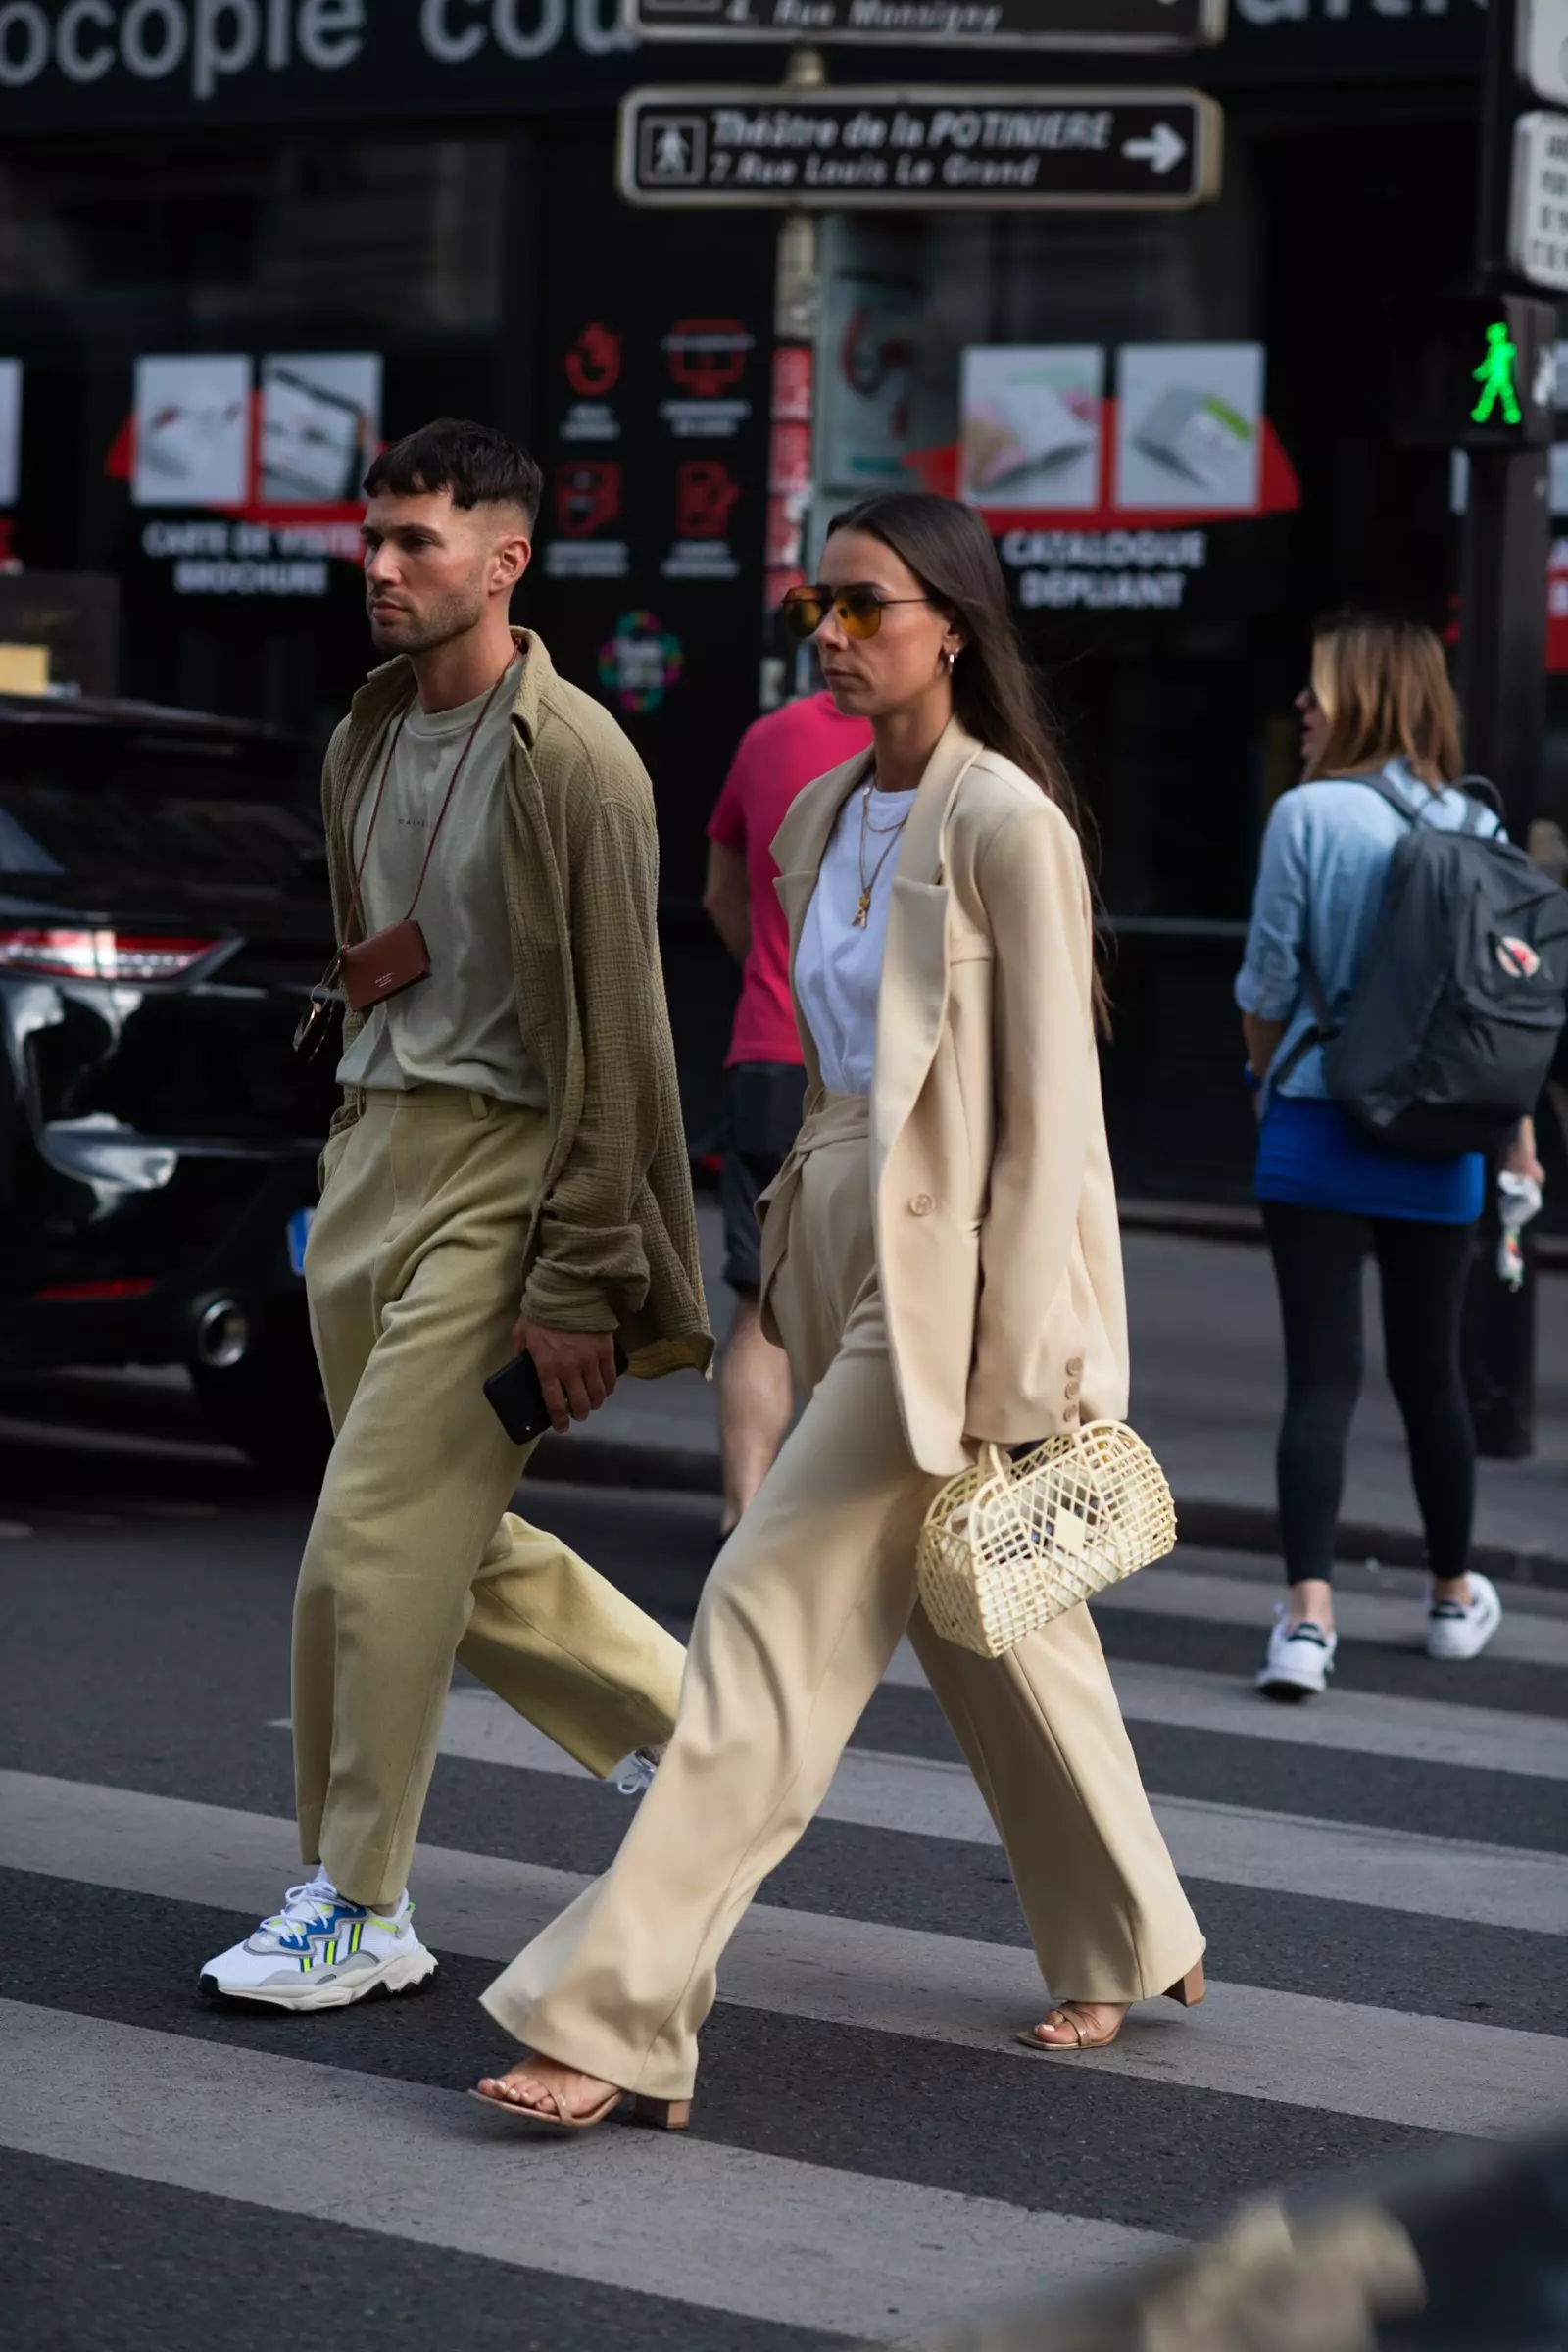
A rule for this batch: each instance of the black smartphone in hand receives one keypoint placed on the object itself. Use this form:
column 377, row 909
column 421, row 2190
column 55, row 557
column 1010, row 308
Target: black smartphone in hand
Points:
column 517, row 1398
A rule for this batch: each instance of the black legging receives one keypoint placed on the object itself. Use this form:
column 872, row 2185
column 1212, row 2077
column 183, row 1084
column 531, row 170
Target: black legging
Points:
column 1318, row 1256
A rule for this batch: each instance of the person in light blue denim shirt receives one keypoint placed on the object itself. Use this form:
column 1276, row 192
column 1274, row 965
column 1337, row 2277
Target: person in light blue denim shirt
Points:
column 1380, row 705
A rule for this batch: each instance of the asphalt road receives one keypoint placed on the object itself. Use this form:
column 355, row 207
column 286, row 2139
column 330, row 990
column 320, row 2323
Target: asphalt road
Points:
column 1381, row 1879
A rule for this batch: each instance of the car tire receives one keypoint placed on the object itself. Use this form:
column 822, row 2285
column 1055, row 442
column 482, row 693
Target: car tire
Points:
column 272, row 1407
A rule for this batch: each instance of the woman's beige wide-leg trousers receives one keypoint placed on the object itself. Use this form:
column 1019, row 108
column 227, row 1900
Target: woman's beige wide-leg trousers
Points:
column 796, row 1625
column 414, row 1272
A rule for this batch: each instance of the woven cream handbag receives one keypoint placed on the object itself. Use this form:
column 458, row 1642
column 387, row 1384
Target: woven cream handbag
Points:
column 1008, row 1545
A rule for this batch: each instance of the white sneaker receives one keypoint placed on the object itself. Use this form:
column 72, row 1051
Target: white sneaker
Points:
column 634, row 1775
column 321, row 1952
column 1457, row 1632
column 1300, row 1661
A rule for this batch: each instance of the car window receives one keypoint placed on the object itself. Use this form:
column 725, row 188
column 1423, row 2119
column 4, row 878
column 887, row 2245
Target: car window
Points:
column 131, row 822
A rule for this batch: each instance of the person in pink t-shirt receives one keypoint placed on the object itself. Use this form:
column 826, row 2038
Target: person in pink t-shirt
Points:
column 763, row 1078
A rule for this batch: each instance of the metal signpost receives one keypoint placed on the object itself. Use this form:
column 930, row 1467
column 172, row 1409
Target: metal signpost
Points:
column 1523, row 233
column 843, row 149
column 952, row 24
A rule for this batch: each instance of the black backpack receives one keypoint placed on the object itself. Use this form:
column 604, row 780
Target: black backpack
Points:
column 1451, row 1030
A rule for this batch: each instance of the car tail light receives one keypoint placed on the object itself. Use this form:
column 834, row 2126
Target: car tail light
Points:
column 82, row 1293
column 78, row 955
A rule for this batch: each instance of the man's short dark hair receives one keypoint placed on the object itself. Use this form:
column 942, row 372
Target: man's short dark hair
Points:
column 479, row 464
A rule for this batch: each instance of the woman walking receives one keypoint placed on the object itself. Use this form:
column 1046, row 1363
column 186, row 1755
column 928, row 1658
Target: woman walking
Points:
column 941, row 1261
column 1379, row 707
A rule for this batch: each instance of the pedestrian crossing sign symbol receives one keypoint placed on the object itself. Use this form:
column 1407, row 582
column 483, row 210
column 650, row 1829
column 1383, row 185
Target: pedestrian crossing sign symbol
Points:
column 673, row 151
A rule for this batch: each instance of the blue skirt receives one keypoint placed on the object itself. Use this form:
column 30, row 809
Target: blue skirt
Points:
column 1311, row 1153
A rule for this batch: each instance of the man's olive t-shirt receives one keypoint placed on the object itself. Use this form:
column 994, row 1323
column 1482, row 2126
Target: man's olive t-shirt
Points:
column 459, row 1026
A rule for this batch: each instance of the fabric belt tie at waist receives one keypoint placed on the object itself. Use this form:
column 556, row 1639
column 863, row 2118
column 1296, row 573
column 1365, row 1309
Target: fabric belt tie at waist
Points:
column 832, row 1119
column 829, row 1119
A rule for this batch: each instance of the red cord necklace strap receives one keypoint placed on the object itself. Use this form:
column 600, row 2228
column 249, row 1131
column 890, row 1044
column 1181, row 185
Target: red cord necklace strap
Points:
column 370, row 970
column 462, row 760
column 452, row 786
column 365, row 854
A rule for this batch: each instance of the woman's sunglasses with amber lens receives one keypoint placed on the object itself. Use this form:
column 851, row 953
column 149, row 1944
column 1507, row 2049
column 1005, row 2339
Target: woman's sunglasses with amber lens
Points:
column 859, row 610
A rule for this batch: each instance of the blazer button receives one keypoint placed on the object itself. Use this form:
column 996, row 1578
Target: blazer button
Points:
column 921, row 1205
column 1075, row 1364
column 1071, row 1391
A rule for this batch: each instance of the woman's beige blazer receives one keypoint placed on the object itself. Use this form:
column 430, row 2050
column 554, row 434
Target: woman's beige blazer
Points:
column 996, row 1215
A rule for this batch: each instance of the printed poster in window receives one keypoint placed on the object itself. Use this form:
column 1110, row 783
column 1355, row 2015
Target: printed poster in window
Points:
column 870, row 348
column 1190, row 427
column 1031, row 425
column 192, row 431
column 321, row 425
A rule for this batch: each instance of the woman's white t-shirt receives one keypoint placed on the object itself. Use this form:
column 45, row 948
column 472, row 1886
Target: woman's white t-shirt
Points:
column 837, row 966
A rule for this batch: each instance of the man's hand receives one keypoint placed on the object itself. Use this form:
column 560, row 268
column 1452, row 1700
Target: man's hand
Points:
column 577, row 1369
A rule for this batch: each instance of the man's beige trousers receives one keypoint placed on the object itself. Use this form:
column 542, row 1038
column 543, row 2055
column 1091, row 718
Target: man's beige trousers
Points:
column 414, row 1272
column 798, row 1623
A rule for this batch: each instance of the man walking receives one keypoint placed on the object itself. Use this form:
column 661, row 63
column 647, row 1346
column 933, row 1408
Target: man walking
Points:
column 765, row 1079
column 508, row 1171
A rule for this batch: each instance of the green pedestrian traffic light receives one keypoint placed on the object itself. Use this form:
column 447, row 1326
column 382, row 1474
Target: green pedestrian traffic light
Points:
column 1496, row 376
column 1472, row 370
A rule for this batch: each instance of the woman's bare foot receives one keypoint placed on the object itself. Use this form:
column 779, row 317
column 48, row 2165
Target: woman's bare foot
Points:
column 1097, row 2022
column 546, row 2086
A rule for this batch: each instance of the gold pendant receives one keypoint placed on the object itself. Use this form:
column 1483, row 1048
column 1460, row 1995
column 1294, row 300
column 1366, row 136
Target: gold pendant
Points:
column 862, row 912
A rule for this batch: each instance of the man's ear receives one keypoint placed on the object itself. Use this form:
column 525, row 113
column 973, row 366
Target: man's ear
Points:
column 510, row 559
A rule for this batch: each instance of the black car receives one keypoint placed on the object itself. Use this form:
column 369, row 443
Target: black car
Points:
column 164, row 910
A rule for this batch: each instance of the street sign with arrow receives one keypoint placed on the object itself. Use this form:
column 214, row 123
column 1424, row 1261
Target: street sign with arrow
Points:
column 841, row 148
column 952, row 25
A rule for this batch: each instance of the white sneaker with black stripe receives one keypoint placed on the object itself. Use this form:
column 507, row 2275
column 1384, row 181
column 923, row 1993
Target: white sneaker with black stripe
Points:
column 1300, row 1661
column 1454, row 1630
column 322, row 1952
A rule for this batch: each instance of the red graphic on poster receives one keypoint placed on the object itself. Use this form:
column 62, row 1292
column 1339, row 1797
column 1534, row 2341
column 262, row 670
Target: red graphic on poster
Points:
column 593, row 362
column 707, row 356
column 705, row 492
column 587, row 495
column 789, row 459
column 336, row 526
column 794, row 369
column 1279, row 492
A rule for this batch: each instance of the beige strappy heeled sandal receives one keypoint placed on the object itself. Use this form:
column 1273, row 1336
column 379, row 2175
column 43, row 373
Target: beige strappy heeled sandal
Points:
column 1189, row 1992
column 665, row 2115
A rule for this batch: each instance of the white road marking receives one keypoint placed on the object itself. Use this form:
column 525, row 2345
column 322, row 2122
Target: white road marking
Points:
column 1399, row 1869
column 647, row 2212
column 1421, row 1731
column 1437, row 2073
column 1526, row 1637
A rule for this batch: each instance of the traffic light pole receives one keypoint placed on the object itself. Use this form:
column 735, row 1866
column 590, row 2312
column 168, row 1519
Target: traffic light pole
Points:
column 1502, row 676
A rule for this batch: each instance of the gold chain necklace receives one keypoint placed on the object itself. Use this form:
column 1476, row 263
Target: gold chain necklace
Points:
column 862, row 910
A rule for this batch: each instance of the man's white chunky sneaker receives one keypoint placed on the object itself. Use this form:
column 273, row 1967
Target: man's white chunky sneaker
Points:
column 634, row 1774
column 321, row 1952
column 1457, row 1632
column 1300, row 1661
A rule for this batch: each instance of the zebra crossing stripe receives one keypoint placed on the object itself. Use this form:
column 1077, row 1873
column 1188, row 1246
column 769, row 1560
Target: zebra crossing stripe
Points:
column 723, row 2227
column 1422, row 1731
column 1437, row 2073
column 1530, row 1635
column 1396, row 1870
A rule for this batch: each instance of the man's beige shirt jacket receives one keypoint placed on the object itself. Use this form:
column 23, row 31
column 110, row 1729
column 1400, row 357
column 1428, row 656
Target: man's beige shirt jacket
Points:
column 997, row 1246
column 613, row 1242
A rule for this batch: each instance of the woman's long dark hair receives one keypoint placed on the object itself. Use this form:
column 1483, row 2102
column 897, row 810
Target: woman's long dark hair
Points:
column 996, row 694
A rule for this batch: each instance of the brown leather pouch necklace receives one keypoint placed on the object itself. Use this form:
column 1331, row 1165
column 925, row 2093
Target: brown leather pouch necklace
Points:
column 396, row 957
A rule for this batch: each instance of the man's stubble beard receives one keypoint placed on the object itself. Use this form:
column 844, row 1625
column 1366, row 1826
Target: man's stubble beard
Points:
column 456, row 615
